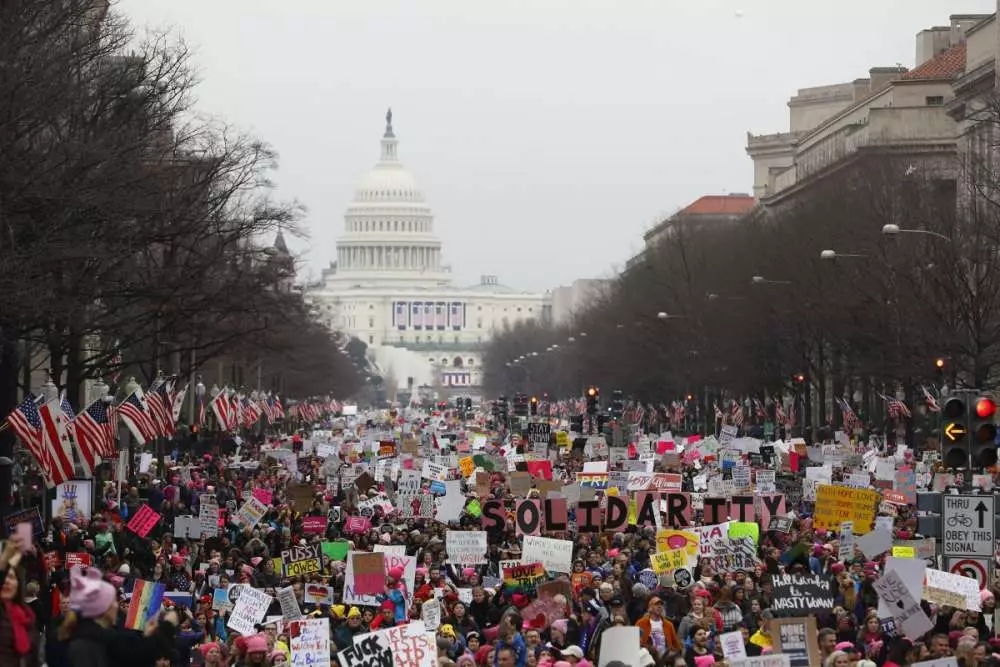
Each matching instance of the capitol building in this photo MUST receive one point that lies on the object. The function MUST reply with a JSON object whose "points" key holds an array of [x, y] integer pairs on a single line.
{"points": [[390, 288]]}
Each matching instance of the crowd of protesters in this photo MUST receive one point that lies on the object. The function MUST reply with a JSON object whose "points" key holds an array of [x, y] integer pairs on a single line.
{"points": [[75, 617]]}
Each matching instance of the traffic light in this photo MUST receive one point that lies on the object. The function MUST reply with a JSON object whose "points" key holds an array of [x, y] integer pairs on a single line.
{"points": [[534, 406], [955, 432], [617, 405], [984, 433], [593, 400]]}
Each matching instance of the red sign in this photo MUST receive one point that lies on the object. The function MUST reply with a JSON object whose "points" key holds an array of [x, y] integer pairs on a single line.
{"points": [[78, 558], [314, 524], [143, 521]]}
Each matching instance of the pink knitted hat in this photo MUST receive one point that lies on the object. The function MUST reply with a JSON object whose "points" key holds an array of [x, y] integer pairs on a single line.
{"points": [[89, 595]]}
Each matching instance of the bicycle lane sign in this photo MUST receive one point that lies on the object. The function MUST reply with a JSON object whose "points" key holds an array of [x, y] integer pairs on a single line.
{"points": [[968, 525]]}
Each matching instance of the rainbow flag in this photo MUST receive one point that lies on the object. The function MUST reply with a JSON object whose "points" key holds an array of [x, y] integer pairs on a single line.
{"points": [[147, 596]]}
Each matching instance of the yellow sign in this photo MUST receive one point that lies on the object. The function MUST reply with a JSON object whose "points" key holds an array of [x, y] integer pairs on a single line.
{"points": [[955, 432], [904, 552], [467, 466], [837, 504], [302, 567], [562, 439], [668, 561], [687, 541]]}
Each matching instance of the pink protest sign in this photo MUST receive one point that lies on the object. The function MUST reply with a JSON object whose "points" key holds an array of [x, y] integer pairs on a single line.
{"points": [[314, 524], [357, 524], [263, 495], [143, 521]]}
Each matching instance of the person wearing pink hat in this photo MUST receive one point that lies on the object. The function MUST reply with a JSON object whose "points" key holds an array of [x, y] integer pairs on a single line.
{"points": [[395, 593], [256, 651], [92, 634]]}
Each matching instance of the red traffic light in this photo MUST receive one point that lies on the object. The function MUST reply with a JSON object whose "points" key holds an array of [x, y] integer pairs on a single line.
{"points": [[591, 391], [800, 378], [985, 407]]}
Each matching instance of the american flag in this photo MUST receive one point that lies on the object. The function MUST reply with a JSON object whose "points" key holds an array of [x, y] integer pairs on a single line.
{"points": [[932, 403], [115, 362], [851, 421], [55, 441], [136, 416], [157, 403], [759, 408], [792, 417], [719, 416], [678, 413], [222, 409], [736, 412], [235, 411], [779, 413], [250, 412], [95, 429], [268, 408], [279, 409], [27, 425], [896, 408]]}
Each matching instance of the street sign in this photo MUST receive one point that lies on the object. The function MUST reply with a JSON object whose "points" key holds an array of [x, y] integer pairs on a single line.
{"points": [[968, 525], [976, 568], [955, 431]]}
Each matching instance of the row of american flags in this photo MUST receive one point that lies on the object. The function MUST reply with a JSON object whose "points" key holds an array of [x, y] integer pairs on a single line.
{"points": [[738, 413], [53, 432]]}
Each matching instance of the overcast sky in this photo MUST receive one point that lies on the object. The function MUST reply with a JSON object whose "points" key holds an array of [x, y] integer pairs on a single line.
{"points": [[547, 135]]}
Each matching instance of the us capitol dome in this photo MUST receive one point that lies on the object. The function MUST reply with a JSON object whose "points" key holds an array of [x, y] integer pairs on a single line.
{"points": [[390, 289]]}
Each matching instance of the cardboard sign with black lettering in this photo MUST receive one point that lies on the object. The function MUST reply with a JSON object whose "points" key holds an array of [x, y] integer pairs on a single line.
{"points": [[302, 560], [796, 594]]}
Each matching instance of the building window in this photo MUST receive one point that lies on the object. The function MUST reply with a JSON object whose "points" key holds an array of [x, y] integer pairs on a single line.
{"points": [[934, 100], [519, 309], [457, 363], [479, 323], [371, 322], [371, 306], [479, 308], [470, 362], [371, 340]]}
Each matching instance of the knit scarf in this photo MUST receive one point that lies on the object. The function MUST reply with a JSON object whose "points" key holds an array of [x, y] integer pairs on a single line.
{"points": [[22, 620]]}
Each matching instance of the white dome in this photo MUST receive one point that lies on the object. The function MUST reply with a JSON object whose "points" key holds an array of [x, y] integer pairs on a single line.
{"points": [[388, 182]]}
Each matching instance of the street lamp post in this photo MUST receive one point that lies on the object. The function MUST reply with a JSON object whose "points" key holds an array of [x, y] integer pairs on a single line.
{"points": [[831, 255], [895, 230]]}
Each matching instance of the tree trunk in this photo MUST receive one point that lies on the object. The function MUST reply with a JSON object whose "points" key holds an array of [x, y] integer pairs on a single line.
{"points": [[9, 367]]}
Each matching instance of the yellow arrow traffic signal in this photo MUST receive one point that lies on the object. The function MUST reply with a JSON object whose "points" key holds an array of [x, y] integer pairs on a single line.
{"points": [[955, 432]]}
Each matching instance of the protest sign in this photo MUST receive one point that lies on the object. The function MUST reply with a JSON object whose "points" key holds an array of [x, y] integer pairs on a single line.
{"points": [[143, 521], [249, 610], [523, 579], [369, 572], [796, 637], [289, 605], [836, 504], [309, 641], [796, 592], [554, 555], [353, 597], [466, 547], [299, 561], [250, 513], [407, 645]]}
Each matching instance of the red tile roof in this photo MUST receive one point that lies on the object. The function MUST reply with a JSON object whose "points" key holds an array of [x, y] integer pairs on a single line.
{"points": [[946, 65], [721, 205]]}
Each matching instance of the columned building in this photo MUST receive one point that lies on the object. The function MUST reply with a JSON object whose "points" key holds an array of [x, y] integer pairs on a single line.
{"points": [[390, 288]]}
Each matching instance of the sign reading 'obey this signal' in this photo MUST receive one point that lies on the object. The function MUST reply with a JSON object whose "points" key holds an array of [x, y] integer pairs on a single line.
{"points": [[967, 525]]}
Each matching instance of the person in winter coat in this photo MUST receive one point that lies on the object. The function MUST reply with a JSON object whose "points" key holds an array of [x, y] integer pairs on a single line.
{"points": [[18, 634], [90, 630]]}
